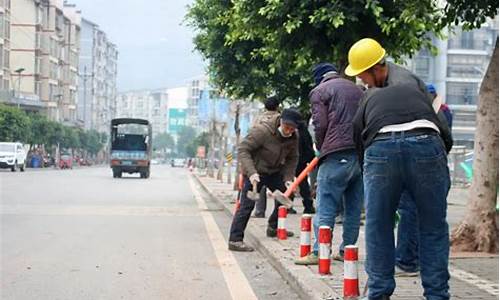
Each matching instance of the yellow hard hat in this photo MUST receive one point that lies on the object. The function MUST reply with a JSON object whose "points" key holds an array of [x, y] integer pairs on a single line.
{"points": [[363, 55]]}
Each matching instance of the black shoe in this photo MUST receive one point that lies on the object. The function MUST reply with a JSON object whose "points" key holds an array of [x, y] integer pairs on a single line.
{"points": [[270, 232], [239, 246], [292, 211], [309, 210], [259, 215]]}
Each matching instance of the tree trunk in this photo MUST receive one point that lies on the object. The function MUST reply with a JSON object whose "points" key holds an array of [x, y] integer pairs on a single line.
{"points": [[479, 229], [237, 130]]}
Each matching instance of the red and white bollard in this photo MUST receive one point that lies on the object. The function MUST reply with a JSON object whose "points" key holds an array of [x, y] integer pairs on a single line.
{"points": [[351, 282], [305, 235], [281, 232], [325, 242]]}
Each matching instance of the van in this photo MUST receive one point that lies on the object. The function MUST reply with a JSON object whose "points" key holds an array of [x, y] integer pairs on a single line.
{"points": [[13, 156]]}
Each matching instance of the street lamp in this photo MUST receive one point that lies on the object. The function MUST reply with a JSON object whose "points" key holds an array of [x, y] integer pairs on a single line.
{"points": [[19, 71]]}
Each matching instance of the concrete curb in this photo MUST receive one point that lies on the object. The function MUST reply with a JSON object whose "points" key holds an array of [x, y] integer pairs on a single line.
{"points": [[305, 283]]}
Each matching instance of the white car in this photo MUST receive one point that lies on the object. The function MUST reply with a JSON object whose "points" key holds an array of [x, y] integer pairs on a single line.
{"points": [[13, 156]]}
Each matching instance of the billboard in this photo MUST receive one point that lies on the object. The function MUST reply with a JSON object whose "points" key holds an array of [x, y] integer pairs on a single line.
{"points": [[177, 118]]}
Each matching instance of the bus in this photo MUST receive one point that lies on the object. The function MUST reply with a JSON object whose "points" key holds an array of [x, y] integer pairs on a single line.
{"points": [[131, 147]]}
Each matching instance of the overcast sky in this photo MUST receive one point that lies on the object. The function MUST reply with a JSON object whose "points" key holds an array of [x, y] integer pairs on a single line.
{"points": [[155, 50]]}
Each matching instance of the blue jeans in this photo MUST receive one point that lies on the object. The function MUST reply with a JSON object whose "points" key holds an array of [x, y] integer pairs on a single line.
{"points": [[407, 244], [418, 165], [339, 179]]}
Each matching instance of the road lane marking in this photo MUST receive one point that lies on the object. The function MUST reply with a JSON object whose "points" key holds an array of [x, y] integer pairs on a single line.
{"points": [[480, 283], [236, 281], [97, 210]]}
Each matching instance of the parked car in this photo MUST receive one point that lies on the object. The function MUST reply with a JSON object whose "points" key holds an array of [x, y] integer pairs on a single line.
{"points": [[13, 156], [66, 161], [178, 162]]}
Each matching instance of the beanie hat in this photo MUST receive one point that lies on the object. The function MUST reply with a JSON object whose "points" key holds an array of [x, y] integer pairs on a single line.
{"points": [[291, 117], [320, 70]]}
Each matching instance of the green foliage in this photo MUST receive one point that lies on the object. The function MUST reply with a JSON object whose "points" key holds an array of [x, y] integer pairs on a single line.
{"points": [[469, 14], [259, 47], [36, 129], [186, 136], [163, 141], [14, 125]]}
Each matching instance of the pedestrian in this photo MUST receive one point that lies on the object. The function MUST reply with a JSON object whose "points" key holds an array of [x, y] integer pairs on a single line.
{"points": [[306, 155], [334, 102], [271, 106], [404, 150], [268, 156], [367, 62]]}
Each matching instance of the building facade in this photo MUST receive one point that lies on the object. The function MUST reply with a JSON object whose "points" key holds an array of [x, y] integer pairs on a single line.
{"points": [[97, 82], [5, 82], [152, 105]]}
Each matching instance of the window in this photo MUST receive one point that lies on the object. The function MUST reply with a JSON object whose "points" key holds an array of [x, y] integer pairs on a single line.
{"points": [[2, 28], [423, 67], [466, 66], [464, 93]]}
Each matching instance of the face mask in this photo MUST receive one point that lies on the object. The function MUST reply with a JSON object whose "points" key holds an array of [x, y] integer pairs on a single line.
{"points": [[283, 134]]}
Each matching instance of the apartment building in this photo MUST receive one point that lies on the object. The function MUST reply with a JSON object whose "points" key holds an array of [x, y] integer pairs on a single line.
{"points": [[5, 83], [44, 49], [457, 72], [152, 105], [98, 73], [195, 86]]}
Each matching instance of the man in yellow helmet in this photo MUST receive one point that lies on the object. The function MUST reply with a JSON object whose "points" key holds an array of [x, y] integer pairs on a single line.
{"points": [[367, 62]]}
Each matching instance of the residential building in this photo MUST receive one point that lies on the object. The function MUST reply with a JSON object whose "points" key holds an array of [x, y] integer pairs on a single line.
{"points": [[5, 84], [152, 105], [195, 86], [457, 72], [98, 72]]}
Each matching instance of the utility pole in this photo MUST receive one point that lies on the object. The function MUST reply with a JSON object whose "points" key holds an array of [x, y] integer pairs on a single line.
{"points": [[237, 130], [222, 152], [19, 76]]}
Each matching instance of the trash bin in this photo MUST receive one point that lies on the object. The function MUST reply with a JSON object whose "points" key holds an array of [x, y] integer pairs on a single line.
{"points": [[35, 161]]}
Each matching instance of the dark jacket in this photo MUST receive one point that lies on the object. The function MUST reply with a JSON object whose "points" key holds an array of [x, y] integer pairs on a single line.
{"points": [[306, 150], [265, 151], [399, 75], [334, 103], [395, 104]]}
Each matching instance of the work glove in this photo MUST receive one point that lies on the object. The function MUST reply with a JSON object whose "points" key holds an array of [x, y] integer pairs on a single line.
{"points": [[254, 178]]}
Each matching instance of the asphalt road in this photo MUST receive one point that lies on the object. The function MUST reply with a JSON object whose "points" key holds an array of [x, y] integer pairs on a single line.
{"points": [[80, 234]]}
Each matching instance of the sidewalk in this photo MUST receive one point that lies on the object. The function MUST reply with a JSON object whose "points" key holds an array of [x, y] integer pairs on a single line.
{"points": [[473, 277]]}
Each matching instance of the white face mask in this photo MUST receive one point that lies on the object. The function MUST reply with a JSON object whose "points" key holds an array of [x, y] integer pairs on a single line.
{"points": [[282, 134]]}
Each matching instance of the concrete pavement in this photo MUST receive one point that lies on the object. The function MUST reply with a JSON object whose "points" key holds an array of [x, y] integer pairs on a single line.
{"points": [[80, 234], [473, 276]]}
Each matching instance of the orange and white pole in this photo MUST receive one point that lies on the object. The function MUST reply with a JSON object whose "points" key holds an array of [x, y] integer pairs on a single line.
{"points": [[281, 232], [325, 242], [351, 282], [305, 235]]}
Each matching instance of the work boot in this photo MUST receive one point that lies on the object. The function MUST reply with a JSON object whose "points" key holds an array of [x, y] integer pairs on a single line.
{"points": [[259, 215], [339, 257], [398, 272], [311, 259], [292, 211], [239, 246], [271, 232]]}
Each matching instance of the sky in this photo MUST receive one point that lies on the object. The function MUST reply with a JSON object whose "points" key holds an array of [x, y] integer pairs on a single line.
{"points": [[155, 49]]}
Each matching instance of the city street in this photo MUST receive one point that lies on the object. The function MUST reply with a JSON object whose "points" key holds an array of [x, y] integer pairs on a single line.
{"points": [[80, 234]]}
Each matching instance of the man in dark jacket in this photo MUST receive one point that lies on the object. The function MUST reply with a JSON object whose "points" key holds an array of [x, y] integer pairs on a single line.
{"points": [[400, 159], [268, 156], [367, 62], [334, 102], [306, 154]]}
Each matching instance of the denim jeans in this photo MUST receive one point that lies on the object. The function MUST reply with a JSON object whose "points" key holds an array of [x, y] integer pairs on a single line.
{"points": [[418, 165], [339, 178], [407, 243]]}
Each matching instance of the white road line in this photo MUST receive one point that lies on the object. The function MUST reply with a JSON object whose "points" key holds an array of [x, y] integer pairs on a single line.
{"points": [[238, 285], [480, 283]]}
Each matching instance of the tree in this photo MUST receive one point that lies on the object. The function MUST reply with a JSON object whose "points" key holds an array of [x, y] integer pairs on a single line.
{"points": [[163, 141], [14, 125], [40, 129], [186, 135], [478, 231], [259, 47]]}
